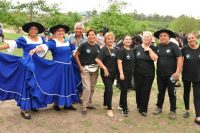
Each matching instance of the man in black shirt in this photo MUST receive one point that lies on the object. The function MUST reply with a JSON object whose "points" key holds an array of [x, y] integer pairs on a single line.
{"points": [[168, 70]]}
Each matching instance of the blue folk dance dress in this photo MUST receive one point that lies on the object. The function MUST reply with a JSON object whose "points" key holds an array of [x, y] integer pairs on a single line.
{"points": [[14, 76], [54, 81]]}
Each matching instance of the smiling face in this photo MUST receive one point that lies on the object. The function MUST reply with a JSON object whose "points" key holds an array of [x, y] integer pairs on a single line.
{"points": [[91, 36], [164, 38], [192, 39], [33, 31], [78, 29], [60, 32], [147, 37], [127, 41], [109, 39]]}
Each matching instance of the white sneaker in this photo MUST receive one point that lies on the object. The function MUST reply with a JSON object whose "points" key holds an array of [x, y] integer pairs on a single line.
{"points": [[120, 108], [110, 113]]}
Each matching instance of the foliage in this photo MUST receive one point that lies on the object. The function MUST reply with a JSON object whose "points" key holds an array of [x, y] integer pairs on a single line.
{"points": [[185, 24]]}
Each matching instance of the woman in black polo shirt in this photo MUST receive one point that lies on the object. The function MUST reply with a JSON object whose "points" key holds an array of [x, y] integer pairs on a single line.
{"points": [[108, 62], [85, 58], [191, 74], [125, 61], [168, 70], [144, 71]]}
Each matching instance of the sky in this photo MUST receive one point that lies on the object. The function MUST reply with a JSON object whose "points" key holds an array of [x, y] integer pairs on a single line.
{"points": [[173, 8]]}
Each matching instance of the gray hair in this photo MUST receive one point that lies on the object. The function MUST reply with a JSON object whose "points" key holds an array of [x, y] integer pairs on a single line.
{"points": [[79, 24]]}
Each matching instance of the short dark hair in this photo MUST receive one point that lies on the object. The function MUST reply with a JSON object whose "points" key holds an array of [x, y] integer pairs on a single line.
{"points": [[91, 30]]}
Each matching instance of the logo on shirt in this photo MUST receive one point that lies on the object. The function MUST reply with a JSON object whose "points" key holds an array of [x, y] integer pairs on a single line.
{"points": [[158, 51], [97, 51], [199, 56], [113, 54], [187, 56], [168, 51], [128, 57], [88, 51], [138, 54]]}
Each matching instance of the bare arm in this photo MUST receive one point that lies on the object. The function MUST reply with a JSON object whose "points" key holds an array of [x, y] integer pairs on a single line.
{"points": [[178, 67], [153, 55], [4, 46], [100, 63], [78, 60], [120, 68], [36, 50]]}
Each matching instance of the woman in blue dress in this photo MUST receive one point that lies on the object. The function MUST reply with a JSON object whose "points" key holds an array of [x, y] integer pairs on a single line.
{"points": [[56, 84], [13, 83]]}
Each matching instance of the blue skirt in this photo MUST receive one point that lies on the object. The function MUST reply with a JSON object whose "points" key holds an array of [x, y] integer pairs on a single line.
{"points": [[14, 79], [52, 81], [77, 77]]}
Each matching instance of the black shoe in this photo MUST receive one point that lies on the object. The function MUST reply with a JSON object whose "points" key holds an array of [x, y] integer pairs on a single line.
{"points": [[34, 110], [186, 115], [197, 122], [143, 114], [69, 108], [91, 107], [25, 115], [125, 113], [56, 108]]}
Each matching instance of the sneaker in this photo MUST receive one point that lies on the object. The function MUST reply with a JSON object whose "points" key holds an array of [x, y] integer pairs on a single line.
{"points": [[84, 110], [157, 111], [172, 115], [119, 108], [125, 113], [110, 113], [143, 114], [186, 115]]}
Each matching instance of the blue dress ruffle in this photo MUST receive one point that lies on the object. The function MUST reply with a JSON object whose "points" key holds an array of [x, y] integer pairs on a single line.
{"points": [[14, 79], [52, 81]]}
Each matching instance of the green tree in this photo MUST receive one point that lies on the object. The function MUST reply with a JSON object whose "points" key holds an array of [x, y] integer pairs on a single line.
{"points": [[185, 24], [117, 22]]}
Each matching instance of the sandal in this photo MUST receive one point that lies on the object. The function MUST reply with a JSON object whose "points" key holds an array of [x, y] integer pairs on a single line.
{"points": [[25, 115]]}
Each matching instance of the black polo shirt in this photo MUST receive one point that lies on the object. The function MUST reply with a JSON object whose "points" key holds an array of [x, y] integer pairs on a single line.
{"points": [[109, 59], [167, 59], [143, 63], [88, 53], [128, 58], [191, 64]]}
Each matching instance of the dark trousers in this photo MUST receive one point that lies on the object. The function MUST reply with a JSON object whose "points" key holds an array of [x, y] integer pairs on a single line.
{"points": [[186, 93], [143, 86], [196, 94], [164, 83], [108, 83], [1, 35], [124, 86]]}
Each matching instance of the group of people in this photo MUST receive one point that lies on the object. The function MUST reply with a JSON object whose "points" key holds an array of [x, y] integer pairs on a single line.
{"points": [[71, 76]]}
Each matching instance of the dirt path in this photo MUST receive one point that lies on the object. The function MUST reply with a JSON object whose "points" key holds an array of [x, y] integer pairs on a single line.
{"points": [[49, 121]]}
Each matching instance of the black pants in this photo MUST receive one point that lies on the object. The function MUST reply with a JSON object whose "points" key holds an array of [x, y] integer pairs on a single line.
{"points": [[124, 86], [196, 94], [108, 83], [164, 82], [143, 88], [186, 94], [1, 35]]}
